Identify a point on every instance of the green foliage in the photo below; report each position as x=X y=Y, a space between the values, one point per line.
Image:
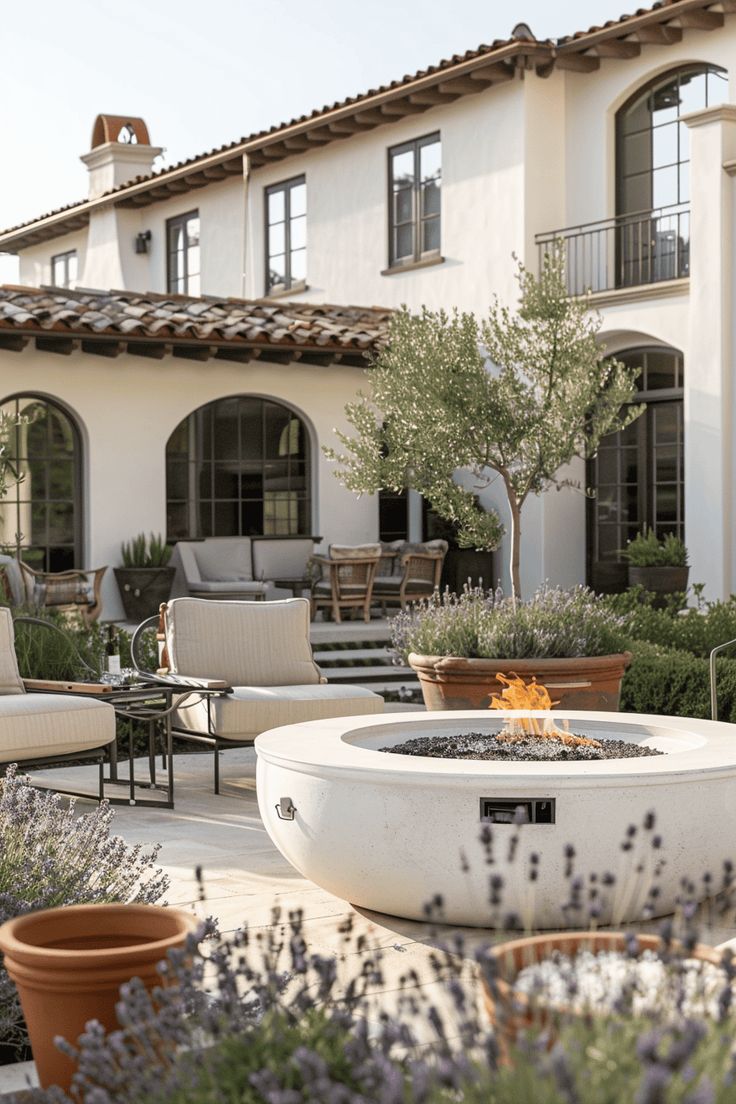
x=516 y=397
x=477 y=624
x=677 y=684
x=69 y=653
x=140 y=552
x=646 y=551
x=696 y=630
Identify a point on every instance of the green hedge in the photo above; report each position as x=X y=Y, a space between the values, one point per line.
x=678 y=684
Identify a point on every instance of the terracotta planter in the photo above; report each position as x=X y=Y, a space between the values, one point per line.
x=511 y=1012
x=659 y=580
x=68 y=965
x=449 y=682
x=143 y=589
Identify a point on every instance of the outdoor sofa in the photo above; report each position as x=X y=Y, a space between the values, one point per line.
x=238 y=567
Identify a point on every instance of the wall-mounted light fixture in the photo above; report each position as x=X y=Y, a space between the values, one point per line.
x=142 y=241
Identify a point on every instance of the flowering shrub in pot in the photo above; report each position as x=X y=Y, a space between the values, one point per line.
x=567 y=640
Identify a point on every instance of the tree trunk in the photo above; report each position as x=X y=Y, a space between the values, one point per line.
x=515 y=543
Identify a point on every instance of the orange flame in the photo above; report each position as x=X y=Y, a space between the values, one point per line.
x=534 y=697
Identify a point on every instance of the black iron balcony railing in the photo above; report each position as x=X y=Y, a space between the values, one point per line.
x=625 y=251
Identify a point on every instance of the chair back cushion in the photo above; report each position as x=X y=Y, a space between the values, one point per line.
x=244 y=643
x=281 y=559
x=10 y=680
x=354 y=551
x=17 y=582
x=225 y=559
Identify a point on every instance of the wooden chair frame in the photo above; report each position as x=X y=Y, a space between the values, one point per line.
x=342 y=589
x=417 y=567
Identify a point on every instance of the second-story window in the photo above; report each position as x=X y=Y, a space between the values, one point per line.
x=286 y=235
x=182 y=243
x=415 y=176
x=64 y=269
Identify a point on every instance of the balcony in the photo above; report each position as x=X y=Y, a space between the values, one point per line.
x=624 y=252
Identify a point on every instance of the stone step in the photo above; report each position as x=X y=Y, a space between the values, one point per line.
x=350 y=655
x=361 y=674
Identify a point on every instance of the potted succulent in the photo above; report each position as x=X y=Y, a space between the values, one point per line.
x=566 y=640
x=660 y=566
x=145 y=579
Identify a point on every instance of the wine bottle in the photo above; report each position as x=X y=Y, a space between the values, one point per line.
x=112 y=651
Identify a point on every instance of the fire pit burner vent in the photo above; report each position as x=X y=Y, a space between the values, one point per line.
x=535 y=810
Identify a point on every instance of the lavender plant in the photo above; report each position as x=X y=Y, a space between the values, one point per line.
x=554 y=623
x=49 y=856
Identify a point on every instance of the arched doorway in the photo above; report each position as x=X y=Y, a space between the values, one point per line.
x=638 y=474
x=41 y=514
x=653 y=173
x=239 y=466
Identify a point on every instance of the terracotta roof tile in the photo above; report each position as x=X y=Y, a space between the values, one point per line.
x=131 y=315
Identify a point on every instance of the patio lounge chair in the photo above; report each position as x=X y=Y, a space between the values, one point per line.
x=75 y=591
x=346 y=579
x=40 y=729
x=262 y=651
x=409 y=573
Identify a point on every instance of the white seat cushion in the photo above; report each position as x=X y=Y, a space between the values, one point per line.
x=37 y=726
x=250 y=710
x=208 y=586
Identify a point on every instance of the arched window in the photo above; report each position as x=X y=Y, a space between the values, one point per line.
x=652 y=173
x=238 y=466
x=638 y=473
x=41 y=514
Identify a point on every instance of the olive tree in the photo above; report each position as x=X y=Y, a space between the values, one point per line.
x=511 y=398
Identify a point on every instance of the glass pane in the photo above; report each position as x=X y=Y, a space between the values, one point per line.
x=692 y=92
x=192 y=228
x=664 y=187
x=177 y=480
x=402 y=167
x=637 y=116
x=666 y=504
x=61 y=480
x=665 y=464
x=636 y=153
x=665 y=422
x=298 y=229
x=226 y=430
x=405 y=241
x=193 y=285
x=276 y=239
x=176 y=521
x=298 y=200
x=299 y=266
x=661 y=371
x=430 y=157
x=430 y=235
x=227 y=519
x=684 y=141
x=61 y=522
x=276 y=207
x=684 y=190
x=665 y=102
x=251 y=429
x=176 y=238
x=277 y=420
x=227 y=481
x=403 y=205
x=717 y=88
x=664 y=145
x=629 y=465
x=72 y=269
x=430 y=199
x=205 y=481
x=277 y=271
x=607 y=466
x=636 y=195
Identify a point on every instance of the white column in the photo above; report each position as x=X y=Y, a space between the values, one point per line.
x=708 y=398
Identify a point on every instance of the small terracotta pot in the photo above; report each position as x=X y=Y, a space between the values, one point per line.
x=68 y=965
x=511 y=1013
x=589 y=683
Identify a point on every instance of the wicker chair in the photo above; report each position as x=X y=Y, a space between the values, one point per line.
x=346 y=579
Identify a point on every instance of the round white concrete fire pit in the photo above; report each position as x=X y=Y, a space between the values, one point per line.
x=391 y=832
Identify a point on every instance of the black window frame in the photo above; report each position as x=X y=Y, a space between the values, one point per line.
x=289 y=283
x=172 y=224
x=253 y=501
x=65 y=257
x=609 y=574
x=52 y=553
x=417 y=220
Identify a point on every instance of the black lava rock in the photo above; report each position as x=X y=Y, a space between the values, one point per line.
x=483 y=745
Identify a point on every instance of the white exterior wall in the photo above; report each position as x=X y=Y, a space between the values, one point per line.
x=526 y=157
x=126 y=412
x=35 y=262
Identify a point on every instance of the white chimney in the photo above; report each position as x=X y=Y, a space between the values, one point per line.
x=121 y=150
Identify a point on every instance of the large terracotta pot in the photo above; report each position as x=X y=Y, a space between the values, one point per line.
x=449 y=682
x=511 y=1012
x=68 y=965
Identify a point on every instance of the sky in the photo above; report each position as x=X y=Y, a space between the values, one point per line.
x=206 y=72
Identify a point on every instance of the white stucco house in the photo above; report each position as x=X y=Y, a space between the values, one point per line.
x=190 y=334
